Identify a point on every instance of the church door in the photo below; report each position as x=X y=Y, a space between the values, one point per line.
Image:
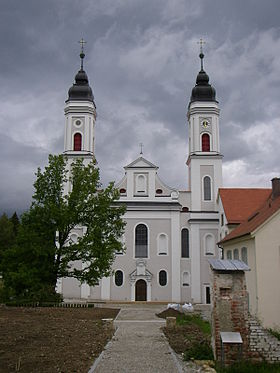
x=141 y=290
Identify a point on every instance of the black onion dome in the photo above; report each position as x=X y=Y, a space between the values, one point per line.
x=203 y=91
x=80 y=91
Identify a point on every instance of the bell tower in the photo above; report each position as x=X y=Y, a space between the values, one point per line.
x=204 y=159
x=80 y=117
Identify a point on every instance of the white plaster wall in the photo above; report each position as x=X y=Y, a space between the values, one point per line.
x=267 y=241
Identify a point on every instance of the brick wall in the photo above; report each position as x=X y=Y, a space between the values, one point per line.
x=229 y=312
x=262 y=344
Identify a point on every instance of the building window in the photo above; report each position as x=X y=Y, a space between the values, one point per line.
x=162 y=278
x=77 y=142
x=229 y=254
x=209 y=244
x=236 y=254
x=162 y=244
x=186 y=279
x=244 y=256
x=141 y=184
x=222 y=220
x=141 y=241
x=185 y=245
x=207 y=295
x=205 y=142
x=207 y=188
x=119 y=278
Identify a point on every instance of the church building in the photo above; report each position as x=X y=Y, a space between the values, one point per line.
x=169 y=234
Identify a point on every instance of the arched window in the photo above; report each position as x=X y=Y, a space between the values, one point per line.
x=209 y=243
x=162 y=278
x=236 y=254
x=229 y=254
x=244 y=256
x=207 y=188
x=205 y=142
x=186 y=279
x=162 y=244
x=77 y=142
x=119 y=278
x=185 y=244
x=141 y=241
x=141 y=184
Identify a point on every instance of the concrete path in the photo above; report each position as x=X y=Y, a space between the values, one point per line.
x=138 y=344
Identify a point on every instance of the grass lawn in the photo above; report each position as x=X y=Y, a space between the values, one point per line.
x=52 y=339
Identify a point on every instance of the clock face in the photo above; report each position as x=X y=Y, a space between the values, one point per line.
x=205 y=123
x=78 y=122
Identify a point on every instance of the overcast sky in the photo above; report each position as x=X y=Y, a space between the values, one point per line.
x=142 y=61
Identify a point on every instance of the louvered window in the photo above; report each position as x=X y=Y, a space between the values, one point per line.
x=77 y=142
x=205 y=139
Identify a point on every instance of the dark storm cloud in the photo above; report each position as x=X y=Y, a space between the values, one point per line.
x=142 y=62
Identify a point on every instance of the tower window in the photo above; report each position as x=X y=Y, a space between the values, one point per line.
x=77 y=142
x=205 y=142
x=185 y=246
x=207 y=188
x=186 y=279
x=141 y=241
x=209 y=244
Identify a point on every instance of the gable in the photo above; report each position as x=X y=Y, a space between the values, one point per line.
x=141 y=163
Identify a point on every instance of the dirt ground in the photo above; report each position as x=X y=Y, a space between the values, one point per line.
x=50 y=340
x=181 y=337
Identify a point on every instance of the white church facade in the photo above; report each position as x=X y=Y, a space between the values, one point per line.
x=169 y=234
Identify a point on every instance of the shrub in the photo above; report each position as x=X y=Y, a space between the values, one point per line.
x=275 y=333
x=199 y=351
x=203 y=325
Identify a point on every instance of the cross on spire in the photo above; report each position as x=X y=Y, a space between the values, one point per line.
x=82 y=42
x=201 y=42
x=141 y=148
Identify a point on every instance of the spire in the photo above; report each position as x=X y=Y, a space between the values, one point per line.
x=81 y=90
x=82 y=54
x=203 y=91
x=201 y=55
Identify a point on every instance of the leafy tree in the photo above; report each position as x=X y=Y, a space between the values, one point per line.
x=45 y=250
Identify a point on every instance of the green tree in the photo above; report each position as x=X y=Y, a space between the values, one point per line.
x=45 y=250
x=7 y=236
x=16 y=223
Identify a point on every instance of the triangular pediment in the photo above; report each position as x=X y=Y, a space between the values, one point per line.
x=141 y=163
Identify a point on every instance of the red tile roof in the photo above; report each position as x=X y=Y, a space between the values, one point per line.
x=256 y=219
x=239 y=203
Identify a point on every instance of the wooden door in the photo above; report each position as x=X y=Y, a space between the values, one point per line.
x=141 y=290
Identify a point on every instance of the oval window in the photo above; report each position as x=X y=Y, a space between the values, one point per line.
x=162 y=278
x=122 y=190
x=159 y=191
x=119 y=278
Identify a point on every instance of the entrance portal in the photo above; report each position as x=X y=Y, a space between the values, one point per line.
x=141 y=290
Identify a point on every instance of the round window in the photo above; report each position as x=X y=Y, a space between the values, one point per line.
x=162 y=278
x=119 y=278
x=78 y=122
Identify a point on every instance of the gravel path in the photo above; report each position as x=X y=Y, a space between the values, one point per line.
x=138 y=344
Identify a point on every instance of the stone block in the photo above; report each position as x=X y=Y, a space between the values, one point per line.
x=170 y=322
